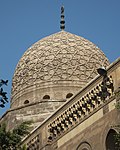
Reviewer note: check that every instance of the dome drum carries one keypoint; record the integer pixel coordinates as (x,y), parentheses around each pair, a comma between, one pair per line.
(34,94)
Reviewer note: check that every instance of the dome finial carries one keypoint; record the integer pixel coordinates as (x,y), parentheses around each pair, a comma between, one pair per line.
(62,22)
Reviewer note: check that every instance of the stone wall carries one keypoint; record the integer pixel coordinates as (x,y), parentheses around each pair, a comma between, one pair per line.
(36,112)
(70,128)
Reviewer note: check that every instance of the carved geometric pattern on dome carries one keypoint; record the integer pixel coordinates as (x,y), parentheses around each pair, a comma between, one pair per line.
(62,56)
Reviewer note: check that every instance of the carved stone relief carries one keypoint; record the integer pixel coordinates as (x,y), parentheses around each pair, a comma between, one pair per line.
(62,56)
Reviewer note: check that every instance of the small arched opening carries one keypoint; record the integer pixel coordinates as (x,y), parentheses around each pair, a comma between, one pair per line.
(46,97)
(69,95)
(84,146)
(110,140)
(26,102)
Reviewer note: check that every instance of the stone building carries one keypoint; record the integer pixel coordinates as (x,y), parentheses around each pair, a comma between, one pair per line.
(56,84)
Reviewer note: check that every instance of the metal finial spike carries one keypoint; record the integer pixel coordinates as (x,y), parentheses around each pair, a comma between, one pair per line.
(62,22)
(62,9)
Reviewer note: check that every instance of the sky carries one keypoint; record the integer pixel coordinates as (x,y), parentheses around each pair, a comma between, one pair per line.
(24,22)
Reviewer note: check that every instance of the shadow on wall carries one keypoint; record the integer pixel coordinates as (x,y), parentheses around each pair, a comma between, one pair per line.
(110,140)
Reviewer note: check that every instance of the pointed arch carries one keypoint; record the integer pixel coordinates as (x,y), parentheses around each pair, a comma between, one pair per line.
(46,97)
(26,102)
(69,95)
(110,140)
(84,146)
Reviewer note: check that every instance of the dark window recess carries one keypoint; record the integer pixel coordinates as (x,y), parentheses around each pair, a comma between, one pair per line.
(110,140)
(46,97)
(69,95)
(26,102)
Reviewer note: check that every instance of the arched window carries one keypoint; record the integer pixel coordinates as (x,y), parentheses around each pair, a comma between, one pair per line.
(69,95)
(26,102)
(46,97)
(110,140)
(84,146)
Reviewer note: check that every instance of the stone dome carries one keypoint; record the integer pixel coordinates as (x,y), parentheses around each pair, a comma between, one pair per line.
(55,66)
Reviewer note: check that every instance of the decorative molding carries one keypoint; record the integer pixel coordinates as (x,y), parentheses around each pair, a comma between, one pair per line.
(34,143)
(84,146)
(81,108)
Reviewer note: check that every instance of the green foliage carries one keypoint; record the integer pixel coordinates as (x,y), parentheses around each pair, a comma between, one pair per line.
(3,97)
(118,105)
(10,140)
(23,148)
(117,139)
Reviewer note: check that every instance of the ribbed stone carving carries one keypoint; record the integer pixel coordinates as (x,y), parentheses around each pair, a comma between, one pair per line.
(57,58)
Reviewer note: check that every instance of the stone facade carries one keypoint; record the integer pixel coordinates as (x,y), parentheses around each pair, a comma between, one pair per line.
(49,73)
(36,112)
(87,131)
(57,87)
